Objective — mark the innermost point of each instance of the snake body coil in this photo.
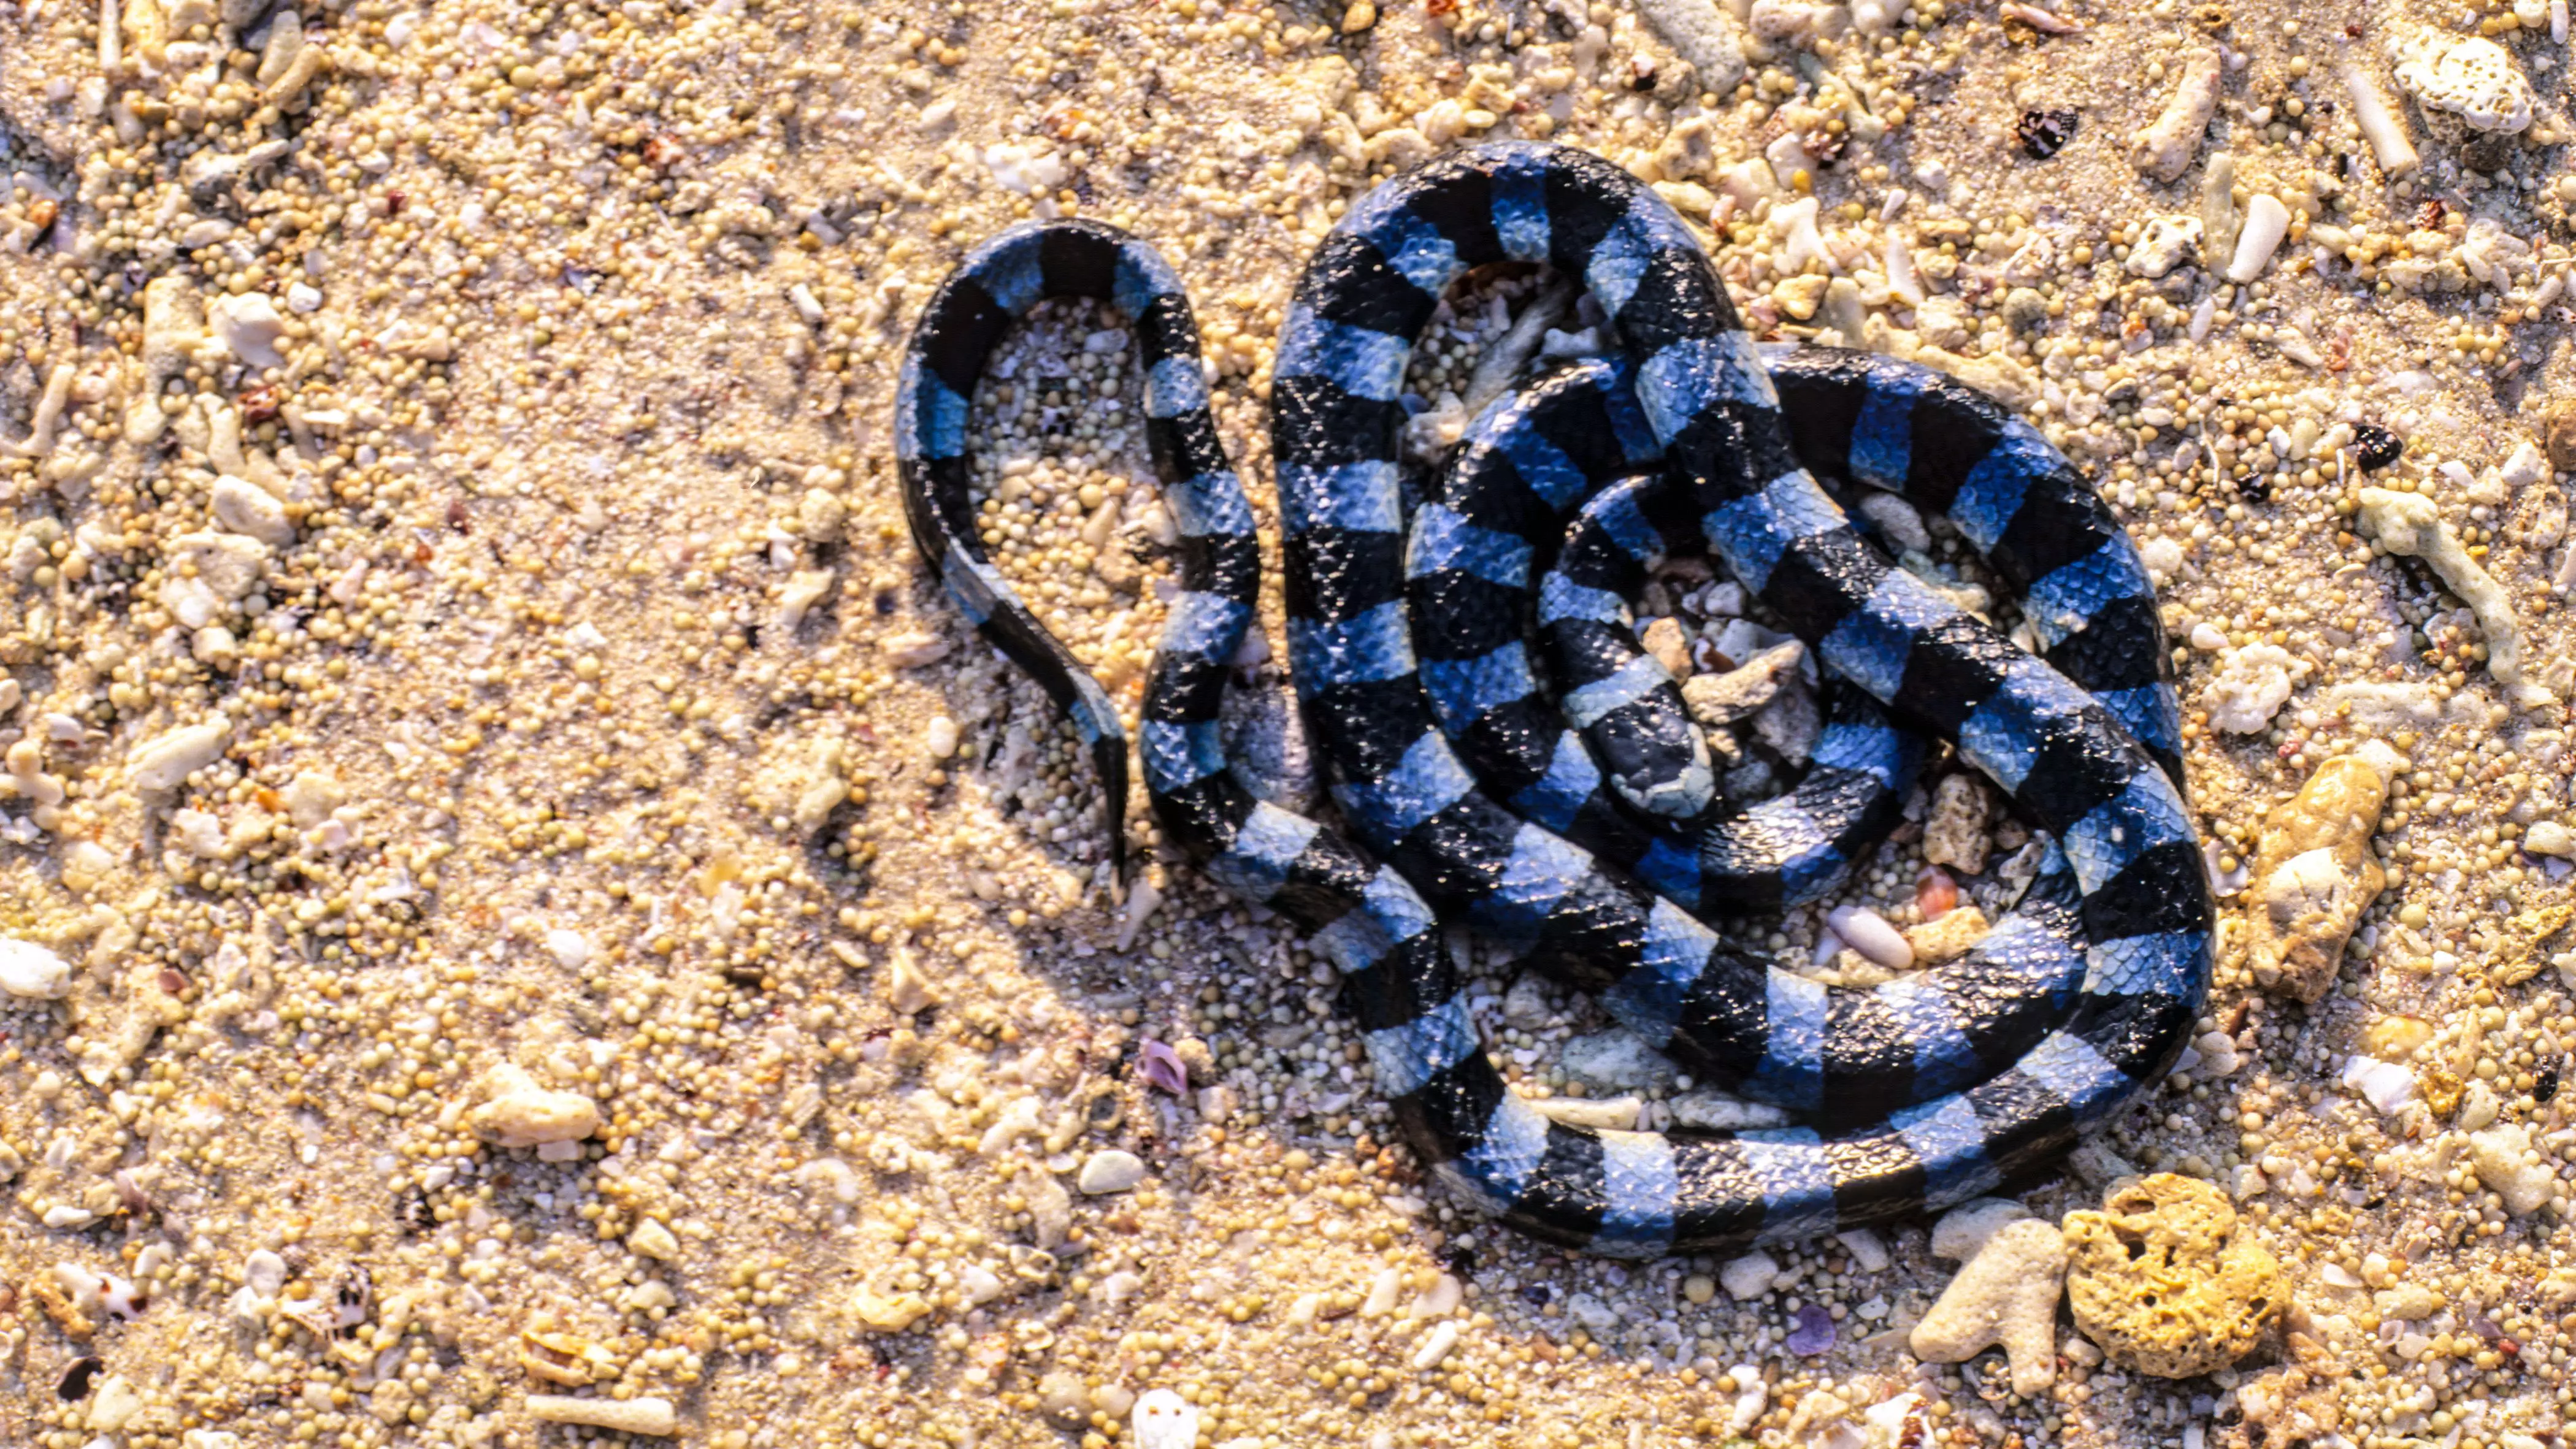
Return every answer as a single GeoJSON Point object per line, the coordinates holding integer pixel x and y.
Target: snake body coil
{"type": "Point", "coordinates": [1578, 832]}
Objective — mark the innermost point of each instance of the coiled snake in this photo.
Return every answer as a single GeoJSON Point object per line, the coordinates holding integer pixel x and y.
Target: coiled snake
{"type": "Point", "coordinates": [1577, 831]}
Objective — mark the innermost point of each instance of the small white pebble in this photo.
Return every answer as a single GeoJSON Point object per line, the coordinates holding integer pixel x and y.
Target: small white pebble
{"type": "Point", "coordinates": [1165, 1420]}
{"type": "Point", "coordinates": [1610, 1114]}
{"type": "Point", "coordinates": [2385, 1085]}
{"type": "Point", "coordinates": [653, 1240]}
{"type": "Point", "coordinates": [1440, 1299]}
{"type": "Point", "coordinates": [1748, 1277]}
{"type": "Point", "coordinates": [1869, 933]}
{"type": "Point", "coordinates": [907, 989]}
{"type": "Point", "coordinates": [252, 511]}
{"type": "Point", "coordinates": [248, 326]}
{"type": "Point", "coordinates": [113, 1404]}
{"type": "Point", "coordinates": [121, 1298]}
{"type": "Point", "coordinates": [1110, 1170]}
{"type": "Point", "coordinates": [1868, 1250]}
{"type": "Point", "coordinates": [913, 648]}
{"type": "Point", "coordinates": [1382, 1293]}
{"type": "Point", "coordinates": [1024, 169]}
{"type": "Point", "coordinates": [265, 1273]}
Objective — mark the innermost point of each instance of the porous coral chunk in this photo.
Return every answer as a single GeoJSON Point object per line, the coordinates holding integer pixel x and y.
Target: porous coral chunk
{"type": "Point", "coordinates": [1956, 834]}
{"type": "Point", "coordinates": [2474, 79]}
{"type": "Point", "coordinates": [519, 1113]}
{"type": "Point", "coordinates": [2318, 874]}
{"type": "Point", "coordinates": [2162, 1280]}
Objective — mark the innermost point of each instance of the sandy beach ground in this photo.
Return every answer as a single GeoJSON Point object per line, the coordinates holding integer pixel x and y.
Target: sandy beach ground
{"type": "Point", "coordinates": [531, 920]}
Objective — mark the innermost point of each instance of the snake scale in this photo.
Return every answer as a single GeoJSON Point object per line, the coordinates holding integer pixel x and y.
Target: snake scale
{"type": "Point", "coordinates": [1503, 755]}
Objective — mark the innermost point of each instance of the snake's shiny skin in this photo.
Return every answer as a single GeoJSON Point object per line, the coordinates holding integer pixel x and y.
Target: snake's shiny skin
{"type": "Point", "coordinates": [1411, 635]}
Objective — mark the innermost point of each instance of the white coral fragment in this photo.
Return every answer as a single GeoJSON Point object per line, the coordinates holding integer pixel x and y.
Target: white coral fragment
{"type": "Point", "coordinates": [2166, 244]}
{"type": "Point", "coordinates": [2474, 79]}
{"type": "Point", "coordinates": [1703, 33]}
{"type": "Point", "coordinates": [252, 511]}
{"type": "Point", "coordinates": [29, 970]}
{"type": "Point", "coordinates": [2164, 148]}
{"type": "Point", "coordinates": [1026, 170]}
{"type": "Point", "coordinates": [2006, 1296]}
{"type": "Point", "coordinates": [228, 566]}
{"type": "Point", "coordinates": [48, 416]}
{"type": "Point", "coordinates": [166, 760]}
{"type": "Point", "coordinates": [2252, 685]}
{"type": "Point", "coordinates": [653, 1417]}
{"type": "Point", "coordinates": [2508, 1167]}
{"type": "Point", "coordinates": [2379, 123]}
{"type": "Point", "coordinates": [174, 323]}
{"type": "Point", "coordinates": [2411, 524]}
{"type": "Point", "coordinates": [2267, 221]}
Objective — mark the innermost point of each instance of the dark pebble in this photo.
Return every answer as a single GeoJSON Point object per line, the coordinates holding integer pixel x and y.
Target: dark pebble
{"type": "Point", "coordinates": [2375, 447]}
{"type": "Point", "coordinates": [2044, 133]}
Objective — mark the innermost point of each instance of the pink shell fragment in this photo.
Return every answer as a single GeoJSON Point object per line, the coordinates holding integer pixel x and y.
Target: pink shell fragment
{"type": "Point", "coordinates": [1163, 1067]}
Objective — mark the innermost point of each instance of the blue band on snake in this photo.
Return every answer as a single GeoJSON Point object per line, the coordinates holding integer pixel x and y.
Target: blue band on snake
{"type": "Point", "coordinates": [1431, 642]}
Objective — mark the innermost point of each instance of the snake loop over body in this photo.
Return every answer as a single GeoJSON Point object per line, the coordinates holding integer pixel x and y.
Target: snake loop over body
{"type": "Point", "coordinates": [1574, 828]}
